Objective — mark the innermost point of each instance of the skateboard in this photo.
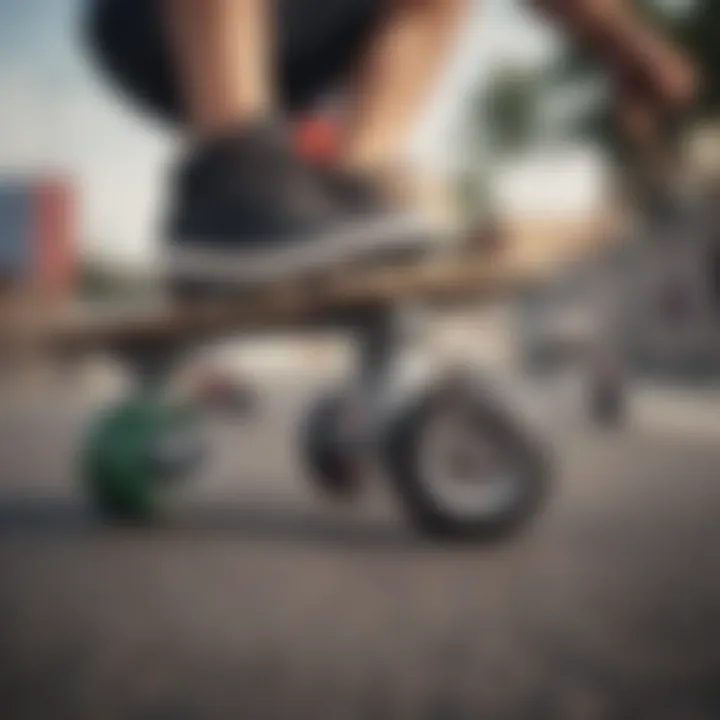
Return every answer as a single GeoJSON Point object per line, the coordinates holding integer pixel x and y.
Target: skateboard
{"type": "Point", "coordinates": [461, 464]}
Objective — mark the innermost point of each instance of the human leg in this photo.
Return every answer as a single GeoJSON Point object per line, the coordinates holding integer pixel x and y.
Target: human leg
{"type": "Point", "coordinates": [222, 50]}
{"type": "Point", "coordinates": [398, 68]}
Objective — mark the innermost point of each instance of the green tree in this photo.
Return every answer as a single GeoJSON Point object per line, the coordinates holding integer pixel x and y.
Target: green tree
{"type": "Point", "coordinates": [502, 121]}
{"type": "Point", "coordinates": [508, 110]}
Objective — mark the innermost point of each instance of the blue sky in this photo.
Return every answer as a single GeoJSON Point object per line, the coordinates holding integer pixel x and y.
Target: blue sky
{"type": "Point", "coordinates": [57, 115]}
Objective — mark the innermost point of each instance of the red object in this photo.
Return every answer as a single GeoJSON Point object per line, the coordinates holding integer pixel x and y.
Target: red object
{"type": "Point", "coordinates": [318, 138]}
{"type": "Point", "coordinates": [53, 241]}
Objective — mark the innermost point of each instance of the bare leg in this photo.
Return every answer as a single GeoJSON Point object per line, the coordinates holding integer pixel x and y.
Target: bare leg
{"type": "Point", "coordinates": [398, 69]}
{"type": "Point", "coordinates": [223, 51]}
{"type": "Point", "coordinates": [632, 51]}
{"type": "Point", "coordinates": [654, 80]}
{"type": "Point", "coordinates": [402, 61]}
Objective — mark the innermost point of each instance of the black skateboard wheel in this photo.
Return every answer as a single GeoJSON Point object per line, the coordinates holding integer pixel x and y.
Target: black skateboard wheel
{"type": "Point", "coordinates": [607, 394]}
{"type": "Point", "coordinates": [463, 467]}
{"type": "Point", "coordinates": [608, 403]}
{"type": "Point", "coordinates": [333, 465]}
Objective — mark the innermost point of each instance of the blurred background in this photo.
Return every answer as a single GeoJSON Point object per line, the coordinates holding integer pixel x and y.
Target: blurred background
{"type": "Point", "coordinates": [261, 599]}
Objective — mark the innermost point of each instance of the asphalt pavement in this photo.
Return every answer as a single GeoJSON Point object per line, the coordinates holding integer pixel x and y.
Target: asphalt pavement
{"type": "Point", "coordinates": [261, 600]}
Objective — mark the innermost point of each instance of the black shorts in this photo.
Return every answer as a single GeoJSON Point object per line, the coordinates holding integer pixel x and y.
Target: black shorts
{"type": "Point", "coordinates": [317, 43]}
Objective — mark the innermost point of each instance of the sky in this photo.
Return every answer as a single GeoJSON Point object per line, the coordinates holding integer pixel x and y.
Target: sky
{"type": "Point", "coordinates": [58, 116]}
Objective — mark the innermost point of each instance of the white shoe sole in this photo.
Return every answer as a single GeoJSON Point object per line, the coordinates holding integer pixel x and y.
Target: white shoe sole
{"type": "Point", "coordinates": [397, 236]}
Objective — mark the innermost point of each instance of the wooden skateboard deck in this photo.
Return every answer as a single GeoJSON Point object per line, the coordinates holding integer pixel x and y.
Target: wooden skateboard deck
{"type": "Point", "coordinates": [333, 299]}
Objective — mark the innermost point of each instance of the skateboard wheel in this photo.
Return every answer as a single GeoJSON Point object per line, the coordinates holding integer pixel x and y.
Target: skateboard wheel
{"type": "Point", "coordinates": [463, 467]}
{"type": "Point", "coordinates": [607, 406]}
{"type": "Point", "coordinates": [134, 454]}
{"type": "Point", "coordinates": [332, 465]}
{"type": "Point", "coordinates": [607, 399]}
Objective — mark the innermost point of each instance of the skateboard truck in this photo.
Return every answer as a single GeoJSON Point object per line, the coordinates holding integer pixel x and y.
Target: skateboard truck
{"type": "Point", "coordinates": [381, 335]}
{"type": "Point", "coordinates": [151, 363]}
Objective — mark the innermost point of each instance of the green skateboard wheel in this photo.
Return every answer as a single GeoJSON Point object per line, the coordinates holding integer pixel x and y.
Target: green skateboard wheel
{"type": "Point", "coordinates": [132, 454]}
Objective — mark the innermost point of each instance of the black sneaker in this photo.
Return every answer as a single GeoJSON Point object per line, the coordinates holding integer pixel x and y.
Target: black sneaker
{"type": "Point", "coordinates": [364, 195]}
{"type": "Point", "coordinates": [358, 194]}
{"type": "Point", "coordinates": [247, 211]}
